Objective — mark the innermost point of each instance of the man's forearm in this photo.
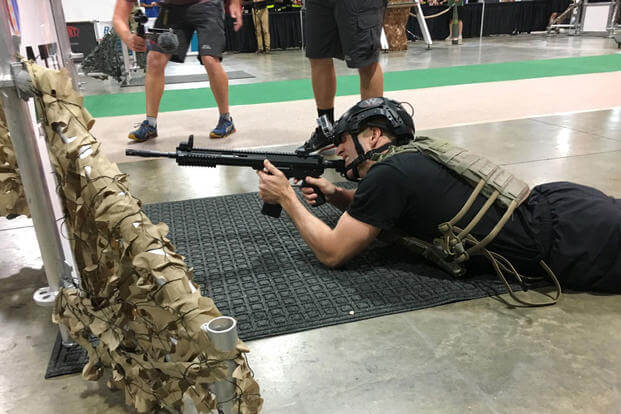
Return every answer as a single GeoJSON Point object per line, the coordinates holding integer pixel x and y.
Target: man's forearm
{"type": "Point", "coordinates": [316, 233]}
{"type": "Point", "coordinates": [342, 198]}
{"type": "Point", "coordinates": [121, 28]}
{"type": "Point", "coordinates": [120, 19]}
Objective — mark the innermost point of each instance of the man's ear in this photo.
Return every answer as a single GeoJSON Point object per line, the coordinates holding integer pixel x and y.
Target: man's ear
{"type": "Point", "coordinates": [376, 134]}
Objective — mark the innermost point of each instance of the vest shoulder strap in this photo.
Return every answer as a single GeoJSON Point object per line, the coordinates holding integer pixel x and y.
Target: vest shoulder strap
{"type": "Point", "coordinates": [470, 166]}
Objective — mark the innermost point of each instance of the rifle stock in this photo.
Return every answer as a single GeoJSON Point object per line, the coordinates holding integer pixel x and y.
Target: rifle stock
{"type": "Point", "coordinates": [292, 165]}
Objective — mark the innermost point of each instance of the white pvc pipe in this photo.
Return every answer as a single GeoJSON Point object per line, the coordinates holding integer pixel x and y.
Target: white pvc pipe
{"type": "Point", "coordinates": [222, 331]}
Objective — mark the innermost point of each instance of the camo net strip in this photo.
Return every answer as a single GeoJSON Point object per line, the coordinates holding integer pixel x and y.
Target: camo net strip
{"type": "Point", "coordinates": [12, 197]}
{"type": "Point", "coordinates": [136, 295]}
{"type": "Point", "coordinates": [107, 57]}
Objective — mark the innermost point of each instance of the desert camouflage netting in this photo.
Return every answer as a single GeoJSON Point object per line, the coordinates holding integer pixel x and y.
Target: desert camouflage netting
{"type": "Point", "coordinates": [12, 197]}
{"type": "Point", "coordinates": [106, 59]}
{"type": "Point", "coordinates": [136, 295]}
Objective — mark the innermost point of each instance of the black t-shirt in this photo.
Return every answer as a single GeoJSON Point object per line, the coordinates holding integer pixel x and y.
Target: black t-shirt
{"type": "Point", "coordinates": [413, 194]}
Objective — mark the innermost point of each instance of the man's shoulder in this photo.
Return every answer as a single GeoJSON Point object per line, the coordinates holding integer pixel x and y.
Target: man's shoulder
{"type": "Point", "coordinates": [404, 163]}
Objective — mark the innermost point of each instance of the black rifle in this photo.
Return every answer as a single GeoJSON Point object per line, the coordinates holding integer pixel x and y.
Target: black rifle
{"type": "Point", "coordinates": [292, 165]}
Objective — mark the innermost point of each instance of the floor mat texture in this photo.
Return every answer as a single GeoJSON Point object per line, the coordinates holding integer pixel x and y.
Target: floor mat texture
{"type": "Point", "coordinates": [66, 359]}
{"type": "Point", "coordinates": [259, 270]}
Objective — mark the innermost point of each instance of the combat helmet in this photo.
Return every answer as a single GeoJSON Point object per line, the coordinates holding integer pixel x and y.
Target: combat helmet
{"type": "Point", "coordinates": [384, 113]}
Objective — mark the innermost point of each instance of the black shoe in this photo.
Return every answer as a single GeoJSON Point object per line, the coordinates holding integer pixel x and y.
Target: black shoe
{"type": "Point", "coordinates": [316, 142]}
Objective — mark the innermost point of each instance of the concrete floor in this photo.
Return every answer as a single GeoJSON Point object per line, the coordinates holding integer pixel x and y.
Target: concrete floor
{"type": "Point", "coordinates": [292, 64]}
{"type": "Point", "coordinates": [477, 356]}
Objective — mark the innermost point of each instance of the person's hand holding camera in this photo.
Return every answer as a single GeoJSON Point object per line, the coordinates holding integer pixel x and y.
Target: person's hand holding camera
{"type": "Point", "coordinates": [135, 43]}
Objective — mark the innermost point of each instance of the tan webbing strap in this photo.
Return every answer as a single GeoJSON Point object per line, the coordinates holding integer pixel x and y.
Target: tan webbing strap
{"type": "Point", "coordinates": [468, 204]}
{"type": "Point", "coordinates": [475, 220]}
{"type": "Point", "coordinates": [488, 239]}
{"type": "Point", "coordinates": [494, 260]}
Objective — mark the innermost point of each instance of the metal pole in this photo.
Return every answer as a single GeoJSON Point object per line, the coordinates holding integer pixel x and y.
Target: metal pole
{"type": "Point", "coordinates": [39, 195]}
{"type": "Point", "coordinates": [222, 331]}
{"type": "Point", "coordinates": [126, 64]}
{"type": "Point", "coordinates": [302, 11]}
{"type": "Point", "coordinates": [302, 26]}
{"type": "Point", "coordinates": [482, 17]}
{"type": "Point", "coordinates": [577, 16]}
{"type": "Point", "coordinates": [64, 46]}
{"type": "Point", "coordinates": [420, 17]}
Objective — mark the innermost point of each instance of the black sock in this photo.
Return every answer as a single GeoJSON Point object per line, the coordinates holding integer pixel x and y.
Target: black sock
{"type": "Point", "coordinates": [328, 112]}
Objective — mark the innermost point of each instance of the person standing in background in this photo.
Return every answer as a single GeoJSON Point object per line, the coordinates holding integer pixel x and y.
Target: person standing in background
{"type": "Point", "coordinates": [206, 18]}
{"type": "Point", "coordinates": [151, 7]}
{"type": "Point", "coordinates": [343, 29]}
{"type": "Point", "coordinates": [260, 17]}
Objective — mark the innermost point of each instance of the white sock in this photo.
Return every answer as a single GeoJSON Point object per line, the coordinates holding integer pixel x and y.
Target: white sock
{"type": "Point", "coordinates": [152, 121]}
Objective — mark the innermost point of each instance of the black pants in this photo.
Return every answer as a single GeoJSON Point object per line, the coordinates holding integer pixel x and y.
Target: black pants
{"type": "Point", "coordinates": [584, 236]}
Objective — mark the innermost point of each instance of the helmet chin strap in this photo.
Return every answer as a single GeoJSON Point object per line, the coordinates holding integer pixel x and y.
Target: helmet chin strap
{"type": "Point", "coordinates": [362, 157]}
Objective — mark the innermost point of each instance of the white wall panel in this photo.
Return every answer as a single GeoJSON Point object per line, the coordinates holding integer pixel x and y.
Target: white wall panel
{"type": "Point", "coordinates": [88, 10]}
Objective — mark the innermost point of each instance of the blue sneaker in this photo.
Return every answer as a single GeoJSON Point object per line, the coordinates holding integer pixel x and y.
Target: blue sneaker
{"type": "Point", "coordinates": [144, 132]}
{"type": "Point", "coordinates": [224, 128]}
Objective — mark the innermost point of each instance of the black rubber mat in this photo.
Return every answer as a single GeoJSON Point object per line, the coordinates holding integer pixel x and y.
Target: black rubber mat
{"type": "Point", "coordinates": [66, 360]}
{"type": "Point", "coordinates": [260, 271]}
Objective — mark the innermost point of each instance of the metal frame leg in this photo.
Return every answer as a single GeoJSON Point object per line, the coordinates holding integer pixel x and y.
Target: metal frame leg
{"type": "Point", "coordinates": [420, 17]}
{"type": "Point", "coordinates": [64, 46]}
{"type": "Point", "coordinates": [40, 193]}
{"type": "Point", "coordinates": [482, 20]}
{"type": "Point", "coordinates": [302, 10]}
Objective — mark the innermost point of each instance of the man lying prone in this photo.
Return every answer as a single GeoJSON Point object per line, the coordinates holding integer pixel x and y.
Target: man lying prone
{"type": "Point", "coordinates": [454, 204]}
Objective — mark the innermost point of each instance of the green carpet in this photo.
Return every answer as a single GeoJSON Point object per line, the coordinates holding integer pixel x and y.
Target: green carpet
{"type": "Point", "coordinates": [290, 90]}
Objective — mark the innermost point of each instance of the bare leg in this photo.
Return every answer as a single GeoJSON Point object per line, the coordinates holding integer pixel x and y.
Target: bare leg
{"type": "Point", "coordinates": [154, 81]}
{"type": "Point", "coordinates": [371, 81]}
{"type": "Point", "coordinates": [324, 82]}
{"type": "Point", "coordinates": [218, 82]}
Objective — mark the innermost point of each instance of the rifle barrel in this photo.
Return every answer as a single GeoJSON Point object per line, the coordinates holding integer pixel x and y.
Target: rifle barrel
{"type": "Point", "coordinates": [149, 154]}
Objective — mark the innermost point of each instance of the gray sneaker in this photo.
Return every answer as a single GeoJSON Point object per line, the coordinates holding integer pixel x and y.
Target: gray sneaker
{"type": "Point", "coordinates": [144, 132]}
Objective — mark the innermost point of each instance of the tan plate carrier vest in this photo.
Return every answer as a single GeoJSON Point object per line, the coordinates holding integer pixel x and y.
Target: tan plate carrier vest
{"type": "Point", "coordinates": [455, 245]}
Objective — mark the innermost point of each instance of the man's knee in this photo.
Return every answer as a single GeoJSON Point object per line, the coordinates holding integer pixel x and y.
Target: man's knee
{"type": "Point", "coordinates": [368, 72]}
{"type": "Point", "coordinates": [156, 61]}
{"type": "Point", "coordinates": [323, 63]}
{"type": "Point", "coordinates": [210, 62]}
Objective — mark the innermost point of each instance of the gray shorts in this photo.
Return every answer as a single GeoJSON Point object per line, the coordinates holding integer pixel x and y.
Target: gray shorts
{"type": "Point", "coordinates": [207, 19]}
{"type": "Point", "coordinates": [344, 29]}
